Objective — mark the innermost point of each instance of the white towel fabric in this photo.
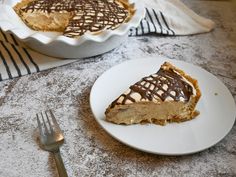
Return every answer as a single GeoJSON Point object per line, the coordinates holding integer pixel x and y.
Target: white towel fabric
{"type": "Point", "coordinates": [171, 17]}
{"type": "Point", "coordinates": [165, 17]}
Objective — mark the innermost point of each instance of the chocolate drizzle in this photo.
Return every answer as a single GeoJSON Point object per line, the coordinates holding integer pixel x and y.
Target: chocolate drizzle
{"type": "Point", "coordinates": [96, 17]}
{"type": "Point", "coordinates": [88, 15]}
{"type": "Point", "coordinates": [161, 85]}
{"type": "Point", "coordinates": [51, 6]}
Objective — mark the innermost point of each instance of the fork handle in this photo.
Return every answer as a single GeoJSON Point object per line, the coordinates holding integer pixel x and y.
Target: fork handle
{"type": "Point", "coordinates": [60, 165]}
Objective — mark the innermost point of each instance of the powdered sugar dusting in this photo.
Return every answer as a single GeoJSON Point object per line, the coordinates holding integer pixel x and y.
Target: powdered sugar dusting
{"type": "Point", "coordinates": [89, 150]}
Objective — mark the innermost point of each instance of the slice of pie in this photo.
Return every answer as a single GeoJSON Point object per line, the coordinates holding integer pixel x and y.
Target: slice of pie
{"type": "Point", "coordinates": [169, 95]}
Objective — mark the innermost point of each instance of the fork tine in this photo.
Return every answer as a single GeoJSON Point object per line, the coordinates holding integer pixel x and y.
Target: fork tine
{"type": "Point", "coordinates": [54, 120]}
{"type": "Point", "coordinates": [39, 125]}
{"type": "Point", "coordinates": [45, 126]}
{"type": "Point", "coordinates": [50, 125]}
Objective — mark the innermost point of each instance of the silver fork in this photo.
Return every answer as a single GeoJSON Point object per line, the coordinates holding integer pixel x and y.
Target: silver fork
{"type": "Point", "coordinates": [51, 138]}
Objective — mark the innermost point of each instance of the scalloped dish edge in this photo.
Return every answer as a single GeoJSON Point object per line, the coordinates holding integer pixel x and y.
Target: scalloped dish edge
{"type": "Point", "coordinates": [25, 35]}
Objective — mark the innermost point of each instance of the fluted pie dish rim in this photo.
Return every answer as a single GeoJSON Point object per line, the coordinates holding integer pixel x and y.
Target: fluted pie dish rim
{"type": "Point", "coordinates": [11, 22]}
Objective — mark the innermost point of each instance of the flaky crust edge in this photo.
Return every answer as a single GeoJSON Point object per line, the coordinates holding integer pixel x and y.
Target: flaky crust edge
{"type": "Point", "coordinates": [168, 65]}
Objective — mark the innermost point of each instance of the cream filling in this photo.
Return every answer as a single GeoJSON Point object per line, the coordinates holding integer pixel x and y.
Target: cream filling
{"type": "Point", "coordinates": [150, 112]}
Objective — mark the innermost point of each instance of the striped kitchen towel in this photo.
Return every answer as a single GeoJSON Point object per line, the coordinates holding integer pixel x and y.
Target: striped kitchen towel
{"type": "Point", "coordinates": [171, 17]}
{"type": "Point", "coordinates": [17, 60]}
{"type": "Point", "coordinates": [165, 17]}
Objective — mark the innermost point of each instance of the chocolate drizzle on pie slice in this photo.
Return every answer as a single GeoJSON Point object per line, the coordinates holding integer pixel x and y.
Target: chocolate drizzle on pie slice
{"type": "Point", "coordinates": [163, 85]}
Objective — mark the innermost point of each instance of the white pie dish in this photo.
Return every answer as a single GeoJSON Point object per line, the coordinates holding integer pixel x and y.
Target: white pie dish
{"type": "Point", "coordinates": [56, 45]}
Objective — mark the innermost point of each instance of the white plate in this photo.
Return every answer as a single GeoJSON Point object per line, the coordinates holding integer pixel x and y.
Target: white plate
{"type": "Point", "coordinates": [217, 110]}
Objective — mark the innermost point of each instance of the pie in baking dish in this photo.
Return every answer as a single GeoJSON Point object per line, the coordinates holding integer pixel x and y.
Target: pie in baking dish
{"type": "Point", "coordinates": [169, 95]}
{"type": "Point", "coordinates": [74, 17]}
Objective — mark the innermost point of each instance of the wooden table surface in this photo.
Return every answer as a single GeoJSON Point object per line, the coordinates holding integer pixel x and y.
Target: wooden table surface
{"type": "Point", "coordinates": [89, 150]}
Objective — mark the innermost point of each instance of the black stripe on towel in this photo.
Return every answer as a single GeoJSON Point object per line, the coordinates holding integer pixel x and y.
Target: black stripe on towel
{"type": "Point", "coordinates": [6, 66]}
{"type": "Point", "coordinates": [166, 23]}
{"type": "Point", "coordinates": [4, 35]}
{"type": "Point", "coordinates": [21, 58]}
{"type": "Point", "coordinates": [149, 30]}
{"type": "Point", "coordinates": [31, 59]}
{"type": "Point", "coordinates": [0, 77]}
{"type": "Point", "coordinates": [158, 21]}
{"type": "Point", "coordinates": [130, 32]}
{"type": "Point", "coordinates": [136, 31]}
{"type": "Point", "coordinates": [12, 59]}
{"type": "Point", "coordinates": [141, 24]}
{"type": "Point", "coordinates": [149, 15]}
{"type": "Point", "coordinates": [14, 39]}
